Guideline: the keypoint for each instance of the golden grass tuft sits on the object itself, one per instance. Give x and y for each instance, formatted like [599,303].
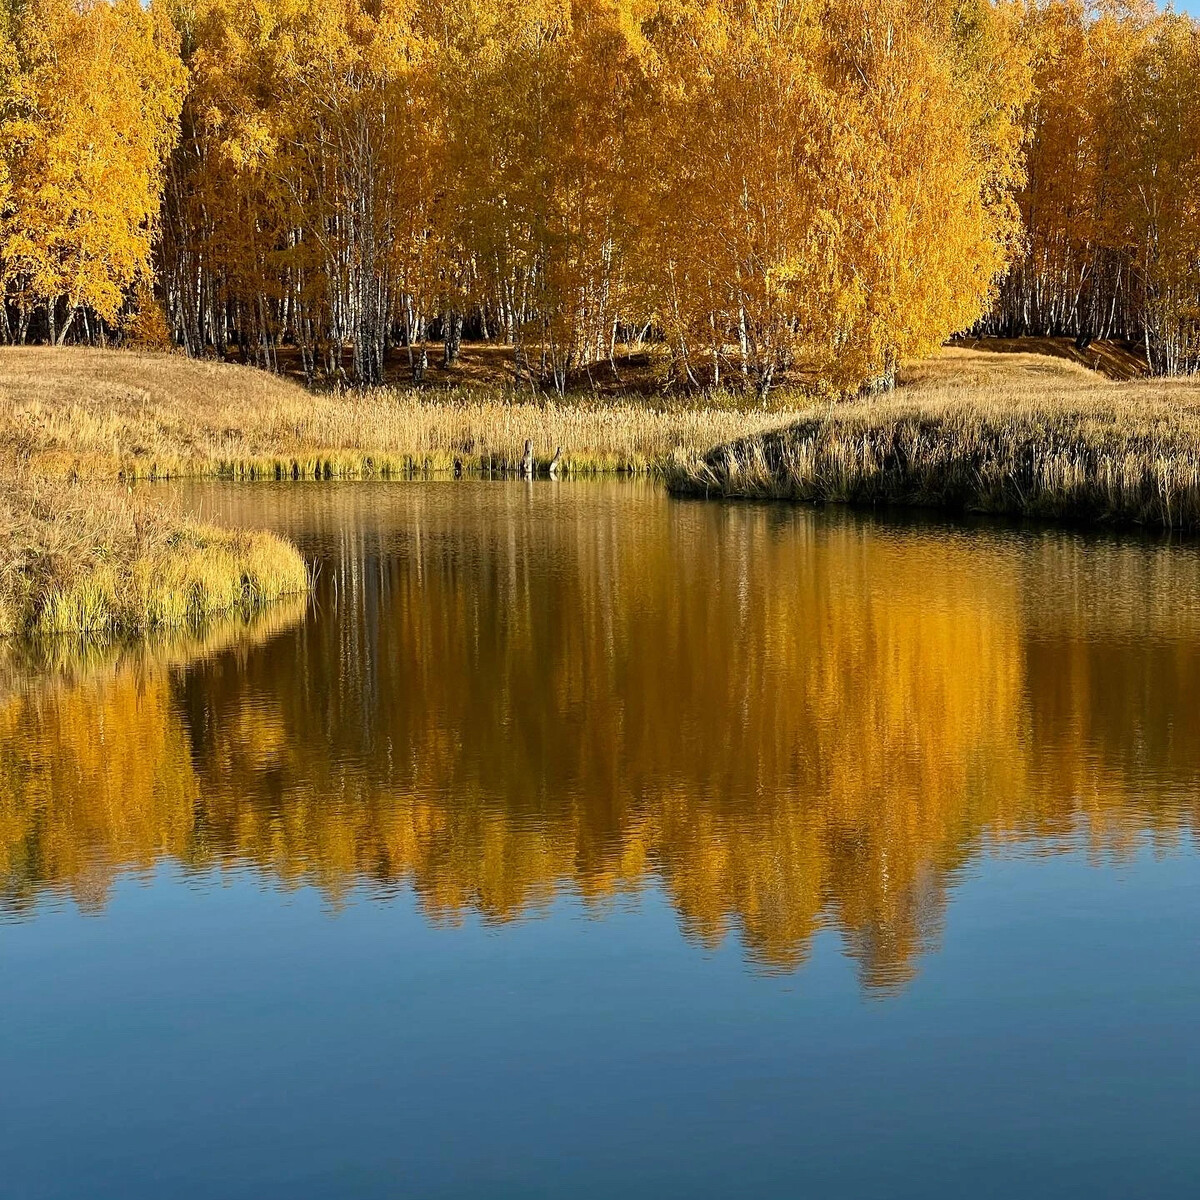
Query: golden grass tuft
[104,560]
[1021,434]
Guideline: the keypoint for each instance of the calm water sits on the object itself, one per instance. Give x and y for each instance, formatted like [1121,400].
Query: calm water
[579,842]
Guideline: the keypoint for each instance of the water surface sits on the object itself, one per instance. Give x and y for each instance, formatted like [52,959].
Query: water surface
[574,840]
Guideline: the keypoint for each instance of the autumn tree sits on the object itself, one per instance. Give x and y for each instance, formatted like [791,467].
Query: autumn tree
[299,204]
[539,102]
[1155,197]
[816,188]
[831,184]
[93,92]
[1069,281]
[1109,210]
[9,68]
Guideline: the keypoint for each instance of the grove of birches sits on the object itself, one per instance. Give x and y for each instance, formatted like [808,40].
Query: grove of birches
[817,189]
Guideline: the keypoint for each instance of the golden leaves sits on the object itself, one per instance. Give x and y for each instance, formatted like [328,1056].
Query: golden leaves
[816,188]
[762,183]
[92,115]
[1113,174]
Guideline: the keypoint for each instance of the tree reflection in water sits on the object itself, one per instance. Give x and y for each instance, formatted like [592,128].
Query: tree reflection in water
[788,720]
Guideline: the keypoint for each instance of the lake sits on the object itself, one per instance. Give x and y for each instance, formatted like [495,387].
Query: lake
[577,841]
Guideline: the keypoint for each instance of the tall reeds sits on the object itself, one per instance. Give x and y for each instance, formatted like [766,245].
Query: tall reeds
[106,414]
[1060,445]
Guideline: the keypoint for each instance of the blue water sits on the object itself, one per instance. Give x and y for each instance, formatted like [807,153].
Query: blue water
[359,905]
[169,1047]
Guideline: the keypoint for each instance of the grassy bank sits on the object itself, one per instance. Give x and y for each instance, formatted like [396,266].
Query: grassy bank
[1023,435]
[970,429]
[79,413]
[101,560]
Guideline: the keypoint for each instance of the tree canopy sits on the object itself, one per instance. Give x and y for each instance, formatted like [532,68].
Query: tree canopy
[815,187]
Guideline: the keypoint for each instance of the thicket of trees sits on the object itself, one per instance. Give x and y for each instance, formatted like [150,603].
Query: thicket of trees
[90,96]
[759,184]
[1111,208]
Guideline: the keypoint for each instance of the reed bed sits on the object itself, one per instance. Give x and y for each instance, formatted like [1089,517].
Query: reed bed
[1042,439]
[967,430]
[102,560]
[80,413]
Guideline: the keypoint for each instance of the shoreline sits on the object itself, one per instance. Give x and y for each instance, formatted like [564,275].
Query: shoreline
[967,432]
[1094,465]
[80,413]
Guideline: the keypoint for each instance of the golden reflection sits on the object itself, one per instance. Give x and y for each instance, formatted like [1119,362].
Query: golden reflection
[95,764]
[788,720]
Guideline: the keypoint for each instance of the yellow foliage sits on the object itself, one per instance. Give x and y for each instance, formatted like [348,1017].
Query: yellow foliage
[147,327]
[819,186]
[833,184]
[814,188]
[1111,206]
[94,92]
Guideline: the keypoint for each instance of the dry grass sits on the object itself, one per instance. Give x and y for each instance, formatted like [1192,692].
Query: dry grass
[80,413]
[1012,433]
[1116,360]
[968,430]
[88,559]
[101,560]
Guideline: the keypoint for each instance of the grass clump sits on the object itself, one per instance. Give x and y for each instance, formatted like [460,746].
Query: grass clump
[104,560]
[1051,441]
